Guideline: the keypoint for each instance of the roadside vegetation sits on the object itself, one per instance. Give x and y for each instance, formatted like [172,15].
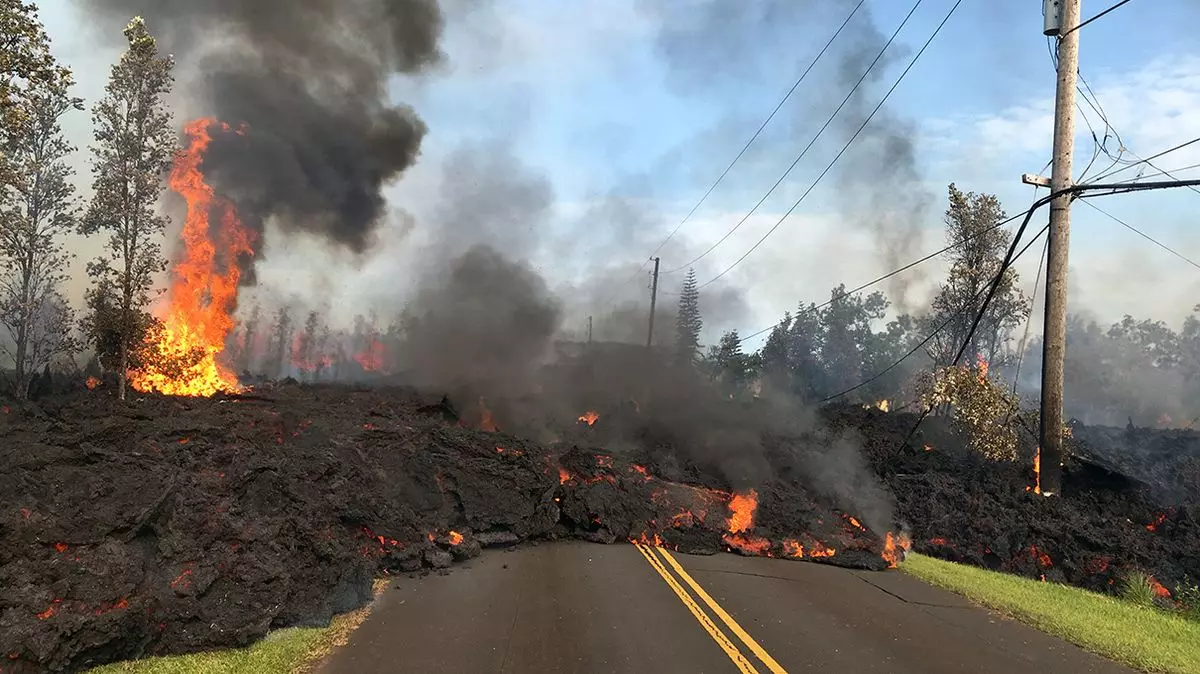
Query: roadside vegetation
[1139,629]
[295,650]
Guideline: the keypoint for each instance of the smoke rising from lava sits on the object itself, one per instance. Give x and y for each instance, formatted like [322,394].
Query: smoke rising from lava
[310,79]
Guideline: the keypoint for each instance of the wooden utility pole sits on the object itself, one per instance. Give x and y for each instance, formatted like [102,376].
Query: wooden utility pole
[589,330]
[653,303]
[1062,21]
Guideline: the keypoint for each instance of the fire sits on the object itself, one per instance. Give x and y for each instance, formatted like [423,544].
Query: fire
[1041,557]
[563,475]
[371,357]
[204,283]
[748,543]
[741,511]
[793,548]
[855,523]
[455,538]
[820,550]
[982,366]
[939,541]
[1037,473]
[589,417]
[895,547]
[1158,589]
[1158,522]
[485,418]
[884,405]
[641,470]
[92,383]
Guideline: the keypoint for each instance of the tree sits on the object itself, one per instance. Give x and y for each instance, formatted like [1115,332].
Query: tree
[731,366]
[281,339]
[848,321]
[979,250]
[688,322]
[135,145]
[26,65]
[37,208]
[249,336]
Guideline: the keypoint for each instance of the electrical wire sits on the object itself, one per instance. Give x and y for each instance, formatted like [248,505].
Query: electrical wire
[753,138]
[1101,14]
[894,272]
[808,147]
[763,126]
[1144,235]
[1037,280]
[1109,174]
[970,306]
[845,147]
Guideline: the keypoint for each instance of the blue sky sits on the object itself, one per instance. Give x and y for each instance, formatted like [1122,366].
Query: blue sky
[625,99]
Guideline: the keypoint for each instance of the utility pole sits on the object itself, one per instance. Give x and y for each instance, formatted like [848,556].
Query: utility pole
[653,303]
[1062,21]
[589,330]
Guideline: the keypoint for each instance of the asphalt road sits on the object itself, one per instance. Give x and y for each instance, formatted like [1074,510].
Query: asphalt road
[580,607]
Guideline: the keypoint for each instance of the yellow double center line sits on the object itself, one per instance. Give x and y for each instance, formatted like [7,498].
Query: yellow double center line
[656,557]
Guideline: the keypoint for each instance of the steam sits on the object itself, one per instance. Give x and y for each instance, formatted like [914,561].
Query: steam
[310,79]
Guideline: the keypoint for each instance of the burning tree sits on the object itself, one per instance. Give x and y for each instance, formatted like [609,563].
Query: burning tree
[988,411]
[37,202]
[135,144]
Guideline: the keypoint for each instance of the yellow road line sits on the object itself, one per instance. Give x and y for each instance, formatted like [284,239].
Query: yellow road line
[740,661]
[758,650]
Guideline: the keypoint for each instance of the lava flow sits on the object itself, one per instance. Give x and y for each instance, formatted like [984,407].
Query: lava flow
[184,356]
[741,520]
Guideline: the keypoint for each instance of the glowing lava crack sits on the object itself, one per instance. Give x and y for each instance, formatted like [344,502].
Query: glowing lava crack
[183,356]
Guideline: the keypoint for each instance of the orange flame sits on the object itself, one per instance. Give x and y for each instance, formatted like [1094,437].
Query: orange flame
[485,418]
[895,547]
[92,383]
[741,511]
[371,357]
[589,417]
[748,543]
[1158,589]
[563,475]
[1158,522]
[455,538]
[982,364]
[204,283]
[1037,471]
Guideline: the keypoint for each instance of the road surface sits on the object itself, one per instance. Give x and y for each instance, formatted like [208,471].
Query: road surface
[581,607]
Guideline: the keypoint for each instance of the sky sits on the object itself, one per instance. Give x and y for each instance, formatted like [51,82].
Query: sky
[622,113]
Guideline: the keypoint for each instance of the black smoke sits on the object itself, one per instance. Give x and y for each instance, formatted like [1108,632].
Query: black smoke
[310,79]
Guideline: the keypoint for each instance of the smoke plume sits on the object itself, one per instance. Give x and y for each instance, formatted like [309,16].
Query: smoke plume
[309,78]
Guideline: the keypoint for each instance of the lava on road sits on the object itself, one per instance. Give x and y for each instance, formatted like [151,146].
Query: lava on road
[178,524]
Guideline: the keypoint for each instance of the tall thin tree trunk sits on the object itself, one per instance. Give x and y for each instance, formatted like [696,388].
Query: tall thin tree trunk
[124,368]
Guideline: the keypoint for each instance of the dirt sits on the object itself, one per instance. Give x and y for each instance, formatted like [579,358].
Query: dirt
[169,525]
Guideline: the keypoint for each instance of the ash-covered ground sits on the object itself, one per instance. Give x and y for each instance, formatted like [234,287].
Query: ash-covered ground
[168,525]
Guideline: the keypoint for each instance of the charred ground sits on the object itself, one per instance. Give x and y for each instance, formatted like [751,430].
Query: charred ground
[171,525]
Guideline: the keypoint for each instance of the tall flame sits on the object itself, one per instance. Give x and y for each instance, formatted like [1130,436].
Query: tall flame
[204,283]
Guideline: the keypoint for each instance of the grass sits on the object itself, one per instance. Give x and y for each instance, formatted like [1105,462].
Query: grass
[1138,636]
[293,650]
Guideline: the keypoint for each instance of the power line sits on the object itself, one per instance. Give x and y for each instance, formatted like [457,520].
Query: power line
[763,126]
[1037,280]
[1147,160]
[808,147]
[890,274]
[954,316]
[1144,235]
[845,147]
[1084,23]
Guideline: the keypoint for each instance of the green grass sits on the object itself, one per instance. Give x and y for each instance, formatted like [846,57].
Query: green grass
[288,651]
[281,652]
[1138,636]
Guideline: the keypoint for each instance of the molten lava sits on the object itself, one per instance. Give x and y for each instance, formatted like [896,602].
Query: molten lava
[486,422]
[455,538]
[184,355]
[92,383]
[589,417]
[741,511]
[895,547]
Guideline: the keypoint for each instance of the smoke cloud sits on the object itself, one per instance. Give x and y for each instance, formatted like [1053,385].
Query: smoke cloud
[310,79]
